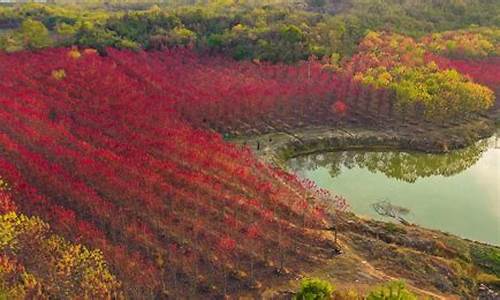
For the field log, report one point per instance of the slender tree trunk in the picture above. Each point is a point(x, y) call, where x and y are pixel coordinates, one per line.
point(280, 251)
point(336, 229)
point(225, 281)
point(251, 269)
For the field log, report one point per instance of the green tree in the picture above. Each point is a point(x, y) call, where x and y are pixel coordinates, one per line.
point(314, 289)
point(181, 36)
point(394, 290)
point(34, 34)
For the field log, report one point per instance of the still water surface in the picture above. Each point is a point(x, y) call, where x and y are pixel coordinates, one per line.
point(458, 192)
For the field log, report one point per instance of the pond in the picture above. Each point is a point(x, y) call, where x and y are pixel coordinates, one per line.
point(457, 192)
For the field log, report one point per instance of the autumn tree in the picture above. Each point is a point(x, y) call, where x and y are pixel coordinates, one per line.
point(422, 90)
point(37, 261)
point(34, 34)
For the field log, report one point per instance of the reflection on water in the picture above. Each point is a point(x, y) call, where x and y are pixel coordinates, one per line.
point(405, 166)
point(458, 192)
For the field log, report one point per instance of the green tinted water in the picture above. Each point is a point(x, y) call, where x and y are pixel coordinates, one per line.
point(458, 192)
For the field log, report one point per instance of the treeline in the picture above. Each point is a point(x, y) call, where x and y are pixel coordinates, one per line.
point(243, 30)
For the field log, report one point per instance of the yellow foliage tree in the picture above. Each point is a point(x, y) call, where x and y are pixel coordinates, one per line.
point(470, 43)
point(49, 266)
point(398, 64)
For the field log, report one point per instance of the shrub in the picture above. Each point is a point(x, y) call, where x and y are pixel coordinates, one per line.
point(127, 44)
point(314, 289)
point(35, 34)
point(393, 290)
point(31, 35)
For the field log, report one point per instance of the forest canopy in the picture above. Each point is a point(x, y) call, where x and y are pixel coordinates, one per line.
point(265, 31)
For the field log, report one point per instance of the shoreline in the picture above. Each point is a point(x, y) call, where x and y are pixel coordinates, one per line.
point(278, 147)
point(375, 251)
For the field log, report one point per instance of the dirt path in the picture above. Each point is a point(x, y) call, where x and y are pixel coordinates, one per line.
point(376, 273)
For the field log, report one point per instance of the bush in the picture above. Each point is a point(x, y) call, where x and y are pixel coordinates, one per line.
point(35, 35)
point(127, 44)
point(314, 289)
point(393, 290)
point(31, 35)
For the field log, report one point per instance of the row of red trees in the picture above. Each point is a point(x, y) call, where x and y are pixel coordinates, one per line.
point(100, 153)
point(248, 97)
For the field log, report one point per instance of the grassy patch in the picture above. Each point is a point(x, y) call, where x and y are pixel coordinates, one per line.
point(487, 258)
point(489, 280)
point(394, 229)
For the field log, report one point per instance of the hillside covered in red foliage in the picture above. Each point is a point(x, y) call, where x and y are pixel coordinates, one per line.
point(93, 146)
point(119, 153)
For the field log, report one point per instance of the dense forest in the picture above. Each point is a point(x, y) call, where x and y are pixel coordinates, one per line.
point(118, 175)
point(273, 32)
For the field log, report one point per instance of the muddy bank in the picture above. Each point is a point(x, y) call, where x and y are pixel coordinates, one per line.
point(281, 146)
